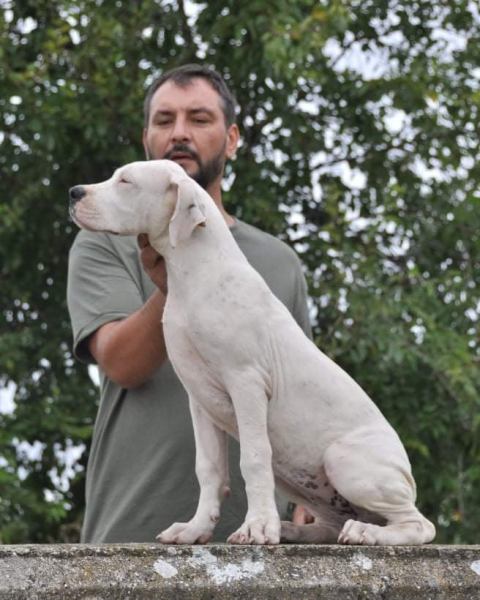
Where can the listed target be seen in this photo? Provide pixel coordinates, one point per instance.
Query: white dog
(250, 371)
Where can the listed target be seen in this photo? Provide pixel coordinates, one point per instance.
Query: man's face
(187, 125)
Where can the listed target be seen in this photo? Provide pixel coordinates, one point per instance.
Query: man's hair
(182, 76)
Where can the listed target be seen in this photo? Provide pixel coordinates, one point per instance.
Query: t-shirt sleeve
(300, 304)
(100, 289)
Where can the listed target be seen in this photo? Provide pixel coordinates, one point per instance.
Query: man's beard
(207, 172)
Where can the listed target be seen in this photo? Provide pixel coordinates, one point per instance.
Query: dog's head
(155, 197)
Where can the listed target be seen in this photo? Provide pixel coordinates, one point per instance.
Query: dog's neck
(211, 248)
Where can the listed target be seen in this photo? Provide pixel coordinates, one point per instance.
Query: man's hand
(301, 516)
(153, 263)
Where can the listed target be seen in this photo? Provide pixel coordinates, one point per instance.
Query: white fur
(250, 371)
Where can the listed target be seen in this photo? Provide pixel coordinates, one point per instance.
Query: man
(141, 474)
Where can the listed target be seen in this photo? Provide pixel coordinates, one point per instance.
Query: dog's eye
(123, 180)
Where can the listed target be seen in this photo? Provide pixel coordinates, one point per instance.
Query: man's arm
(129, 351)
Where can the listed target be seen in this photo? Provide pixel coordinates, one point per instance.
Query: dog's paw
(185, 533)
(257, 530)
(358, 533)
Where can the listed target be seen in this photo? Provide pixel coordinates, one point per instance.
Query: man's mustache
(182, 149)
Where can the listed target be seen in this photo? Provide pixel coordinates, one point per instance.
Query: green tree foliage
(360, 148)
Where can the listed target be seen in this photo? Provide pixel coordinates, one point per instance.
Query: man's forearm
(129, 351)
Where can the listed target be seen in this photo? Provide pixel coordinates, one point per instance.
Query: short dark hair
(182, 76)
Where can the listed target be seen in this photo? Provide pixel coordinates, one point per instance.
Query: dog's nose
(76, 193)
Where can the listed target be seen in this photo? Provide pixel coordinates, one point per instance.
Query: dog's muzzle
(76, 193)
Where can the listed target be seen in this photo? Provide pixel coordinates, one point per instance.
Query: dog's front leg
(211, 466)
(262, 522)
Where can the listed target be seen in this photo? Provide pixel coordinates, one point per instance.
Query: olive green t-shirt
(141, 468)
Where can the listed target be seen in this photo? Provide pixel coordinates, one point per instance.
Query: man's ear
(233, 137)
(189, 212)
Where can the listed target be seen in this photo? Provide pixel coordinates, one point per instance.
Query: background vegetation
(360, 125)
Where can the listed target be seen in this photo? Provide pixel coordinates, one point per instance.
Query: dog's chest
(221, 412)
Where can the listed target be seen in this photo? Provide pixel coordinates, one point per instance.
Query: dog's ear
(189, 212)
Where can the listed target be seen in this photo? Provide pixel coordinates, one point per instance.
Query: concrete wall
(242, 572)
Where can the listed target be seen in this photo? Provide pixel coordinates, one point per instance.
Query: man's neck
(215, 191)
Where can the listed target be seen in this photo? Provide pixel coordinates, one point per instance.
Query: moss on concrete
(140, 571)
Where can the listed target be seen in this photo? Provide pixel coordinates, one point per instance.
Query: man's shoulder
(87, 242)
(247, 235)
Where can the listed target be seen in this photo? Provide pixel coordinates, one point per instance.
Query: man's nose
(76, 193)
(181, 130)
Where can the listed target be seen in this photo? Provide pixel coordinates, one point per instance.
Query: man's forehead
(194, 95)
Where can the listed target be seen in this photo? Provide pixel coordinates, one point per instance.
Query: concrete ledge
(242, 572)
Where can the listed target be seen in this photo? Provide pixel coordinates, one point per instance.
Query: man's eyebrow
(196, 110)
(202, 109)
(163, 111)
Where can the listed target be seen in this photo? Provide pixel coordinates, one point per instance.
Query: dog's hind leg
(370, 469)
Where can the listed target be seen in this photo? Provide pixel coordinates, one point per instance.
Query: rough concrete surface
(38, 572)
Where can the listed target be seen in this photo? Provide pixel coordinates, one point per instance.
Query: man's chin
(188, 164)
(195, 173)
